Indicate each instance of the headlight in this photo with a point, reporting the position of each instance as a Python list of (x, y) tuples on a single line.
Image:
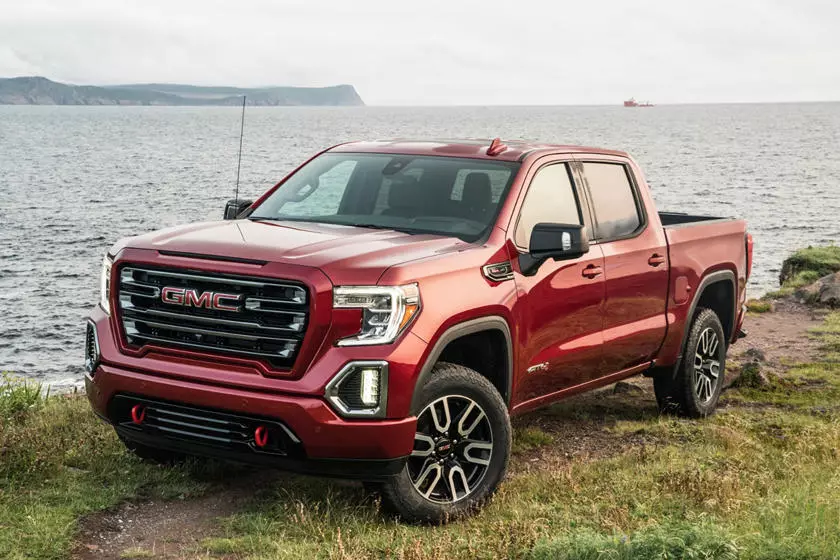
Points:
[(386, 311), (105, 284)]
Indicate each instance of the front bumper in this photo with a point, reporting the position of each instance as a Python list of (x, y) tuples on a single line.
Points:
[(329, 444)]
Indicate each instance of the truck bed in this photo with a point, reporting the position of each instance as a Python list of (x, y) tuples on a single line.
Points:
[(697, 247)]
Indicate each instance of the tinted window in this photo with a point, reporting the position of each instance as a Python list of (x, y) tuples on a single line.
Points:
[(550, 198), (613, 201), (415, 194)]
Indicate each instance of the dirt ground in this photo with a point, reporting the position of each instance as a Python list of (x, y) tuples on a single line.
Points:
[(174, 528)]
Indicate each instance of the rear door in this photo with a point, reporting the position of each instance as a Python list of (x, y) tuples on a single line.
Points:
[(561, 305), (635, 262)]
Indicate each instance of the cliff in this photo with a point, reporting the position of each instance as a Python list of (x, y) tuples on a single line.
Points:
[(36, 90)]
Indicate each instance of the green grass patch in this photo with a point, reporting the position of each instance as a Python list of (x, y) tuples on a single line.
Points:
[(530, 437), (807, 265), (657, 542), (59, 462), (759, 306)]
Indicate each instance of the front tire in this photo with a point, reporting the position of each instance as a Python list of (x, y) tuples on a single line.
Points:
[(461, 449), (694, 388)]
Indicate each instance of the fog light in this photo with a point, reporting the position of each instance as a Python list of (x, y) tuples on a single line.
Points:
[(360, 389), (370, 387)]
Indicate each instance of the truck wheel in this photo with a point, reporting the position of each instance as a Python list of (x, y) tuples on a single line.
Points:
[(152, 454), (694, 388), (461, 449)]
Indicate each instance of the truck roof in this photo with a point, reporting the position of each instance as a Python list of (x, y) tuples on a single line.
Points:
[(505, 150)]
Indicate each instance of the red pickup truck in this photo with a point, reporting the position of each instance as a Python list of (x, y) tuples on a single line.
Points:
[(383, 310)]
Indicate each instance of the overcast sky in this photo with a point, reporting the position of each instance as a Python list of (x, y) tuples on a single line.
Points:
[(441, 52)]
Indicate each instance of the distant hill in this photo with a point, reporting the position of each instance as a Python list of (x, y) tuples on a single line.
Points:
[(36, 90)]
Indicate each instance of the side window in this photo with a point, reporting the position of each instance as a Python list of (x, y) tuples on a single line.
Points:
[(550, 198), (613, 200), (324, 196)]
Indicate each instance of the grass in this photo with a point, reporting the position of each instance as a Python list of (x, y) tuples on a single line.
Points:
[(815, 262), (528, 438), (57, 462), (802, 268), (759, 480), (759, 306)]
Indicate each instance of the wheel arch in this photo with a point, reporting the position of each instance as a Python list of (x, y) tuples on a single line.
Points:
[(469, 332), (714, 290)]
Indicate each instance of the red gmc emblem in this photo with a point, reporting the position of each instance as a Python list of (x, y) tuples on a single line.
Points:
[(192, 298)]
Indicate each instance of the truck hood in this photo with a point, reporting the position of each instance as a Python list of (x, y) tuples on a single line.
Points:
[(346, 254)]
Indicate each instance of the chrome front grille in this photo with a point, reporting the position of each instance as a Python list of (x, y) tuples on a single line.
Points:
[(226, 314)]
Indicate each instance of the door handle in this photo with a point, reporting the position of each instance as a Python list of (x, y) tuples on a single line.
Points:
[(656, 259), (592, 271)]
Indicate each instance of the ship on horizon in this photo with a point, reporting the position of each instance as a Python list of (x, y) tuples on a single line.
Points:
[(633, 103)]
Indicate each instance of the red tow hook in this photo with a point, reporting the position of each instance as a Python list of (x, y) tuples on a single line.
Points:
[(138, 413), (261, 436)]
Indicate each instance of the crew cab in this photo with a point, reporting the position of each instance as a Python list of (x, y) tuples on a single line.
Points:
[(383, 311)]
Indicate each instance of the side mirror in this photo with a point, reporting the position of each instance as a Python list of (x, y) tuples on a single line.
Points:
[(553, 241), (234, 208)]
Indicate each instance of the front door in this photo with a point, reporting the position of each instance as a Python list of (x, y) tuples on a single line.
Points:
[(562, 302)]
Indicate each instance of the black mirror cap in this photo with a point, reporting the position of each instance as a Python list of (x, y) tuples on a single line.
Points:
[(234, 208), (553, 241), (558, 241)]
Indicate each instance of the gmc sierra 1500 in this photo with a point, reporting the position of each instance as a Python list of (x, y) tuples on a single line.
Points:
[(382, 311)]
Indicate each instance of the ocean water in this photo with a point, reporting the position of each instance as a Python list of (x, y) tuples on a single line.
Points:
[(73, 180)]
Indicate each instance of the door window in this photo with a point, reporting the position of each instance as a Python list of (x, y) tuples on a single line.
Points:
[(550, 198), (613, 200)]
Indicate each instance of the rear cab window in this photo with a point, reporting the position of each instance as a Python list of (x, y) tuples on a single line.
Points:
[(616, 207)]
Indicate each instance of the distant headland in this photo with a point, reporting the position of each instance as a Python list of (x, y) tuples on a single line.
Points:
[(36, 90)]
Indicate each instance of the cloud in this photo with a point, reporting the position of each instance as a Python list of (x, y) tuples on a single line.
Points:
[(441, 52)]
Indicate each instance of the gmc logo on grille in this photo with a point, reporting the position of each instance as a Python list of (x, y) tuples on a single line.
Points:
[(192, 298)]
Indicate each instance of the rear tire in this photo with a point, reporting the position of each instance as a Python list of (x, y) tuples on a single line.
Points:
[(461, 449), (693, 389), (152, 454)]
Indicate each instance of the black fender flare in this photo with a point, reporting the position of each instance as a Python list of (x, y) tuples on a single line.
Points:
[(472, 326), (711, 278)]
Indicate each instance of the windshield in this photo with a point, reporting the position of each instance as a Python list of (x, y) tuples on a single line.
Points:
[(456, 197)]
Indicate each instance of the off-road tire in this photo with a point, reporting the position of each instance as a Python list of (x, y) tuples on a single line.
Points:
[(399, 495), (676, 390), (152, 454)]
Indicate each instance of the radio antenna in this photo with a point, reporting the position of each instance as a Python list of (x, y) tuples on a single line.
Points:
[(239, 159)]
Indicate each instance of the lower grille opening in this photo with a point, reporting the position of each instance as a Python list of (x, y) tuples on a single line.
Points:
[(205, 426)]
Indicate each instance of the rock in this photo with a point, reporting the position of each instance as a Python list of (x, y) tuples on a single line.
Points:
[(751, 376), (825, 291), (808, 294), (623, 387), (829, 290), (754, 355)]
